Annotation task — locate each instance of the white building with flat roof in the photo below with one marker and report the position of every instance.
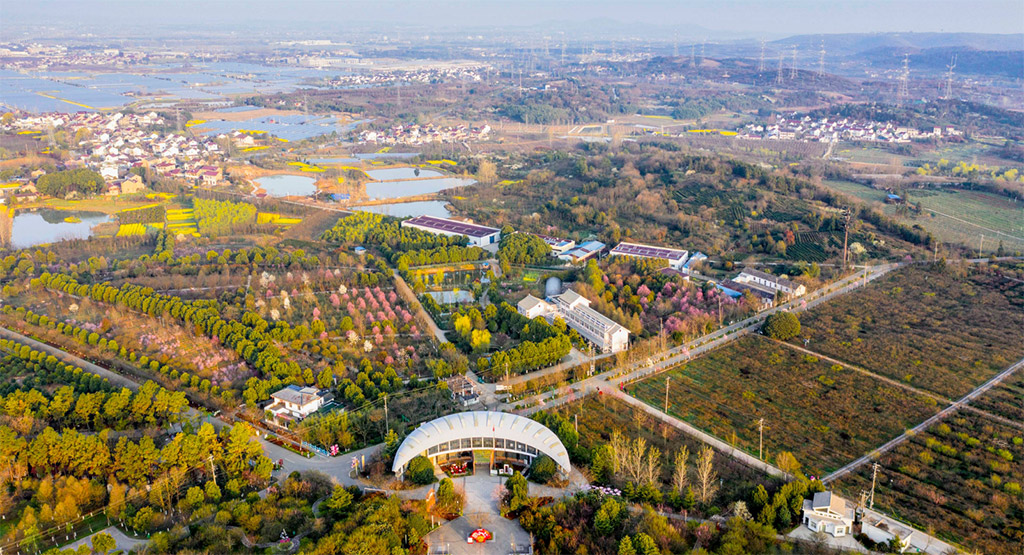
(574, 309)
(479, 235)
(766, 280)
(827, 512)
(676, 258)
(296, 403)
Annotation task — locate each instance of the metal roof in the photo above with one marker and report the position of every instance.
(481, 424)
(647, 251)
(451, 226)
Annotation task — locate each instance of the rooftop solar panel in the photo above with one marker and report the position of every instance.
(451, 226)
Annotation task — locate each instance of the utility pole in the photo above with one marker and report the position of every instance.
(386, 423)
(667, 378)
(981, 243)
(760, 443)
(213, 469)
(576, 422)
(874, 475)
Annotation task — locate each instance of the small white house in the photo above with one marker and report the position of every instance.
(775, 283)
(828, 513)
(882, 530)
(296, 403)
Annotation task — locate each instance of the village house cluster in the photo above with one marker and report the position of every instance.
(113, 143)
(415, 134)
(824, 130)
(42, 56)
(393, 76)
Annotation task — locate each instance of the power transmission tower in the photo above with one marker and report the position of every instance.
(821, 60)
(903, 91)
(693, 49)
(760, 65)
(792, 68)
(874, 474)
(778, 76)
(949, 78)
(675, 46)
(702, 51)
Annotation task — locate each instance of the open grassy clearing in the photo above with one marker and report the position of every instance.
(962, 478)
(942, 330)
(599, 415)
(824, 414)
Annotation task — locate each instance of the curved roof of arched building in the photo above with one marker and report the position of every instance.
(481, 424)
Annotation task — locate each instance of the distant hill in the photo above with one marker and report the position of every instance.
(855, 43)
(969, 61)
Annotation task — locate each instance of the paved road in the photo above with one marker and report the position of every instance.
(114, 378)
(682, 353)
(124, 542)
(962, 402)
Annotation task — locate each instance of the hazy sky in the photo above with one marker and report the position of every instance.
(731, 17)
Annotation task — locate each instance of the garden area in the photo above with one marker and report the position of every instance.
(823, 413)
(961, 478)
(943, 328)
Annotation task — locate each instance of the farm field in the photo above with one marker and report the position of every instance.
(826, 415)
(942, 330)
(959, 216)
(599, 415)
(961, 478)
(1005, 399)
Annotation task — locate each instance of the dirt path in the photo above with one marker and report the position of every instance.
(410, 299)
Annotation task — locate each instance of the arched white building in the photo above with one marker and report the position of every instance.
(500, 434)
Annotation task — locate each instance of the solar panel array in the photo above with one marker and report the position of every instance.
(632, 249)
(451, 226)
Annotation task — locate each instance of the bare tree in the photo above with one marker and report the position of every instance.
(679, 474)
(706, 475)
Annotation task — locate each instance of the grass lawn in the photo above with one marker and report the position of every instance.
(945, 331)
(957, 478)
(600, 415)
(824, 414)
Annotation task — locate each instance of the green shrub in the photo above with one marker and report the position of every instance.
(420, 471)
(542, 469)
(781, 326)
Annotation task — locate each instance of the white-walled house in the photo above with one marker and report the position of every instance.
(296, 403)
(827, 512)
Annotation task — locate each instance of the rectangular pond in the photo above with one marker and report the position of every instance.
(399, 189)
(287, 185)
(391, 174)
(436, 208)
